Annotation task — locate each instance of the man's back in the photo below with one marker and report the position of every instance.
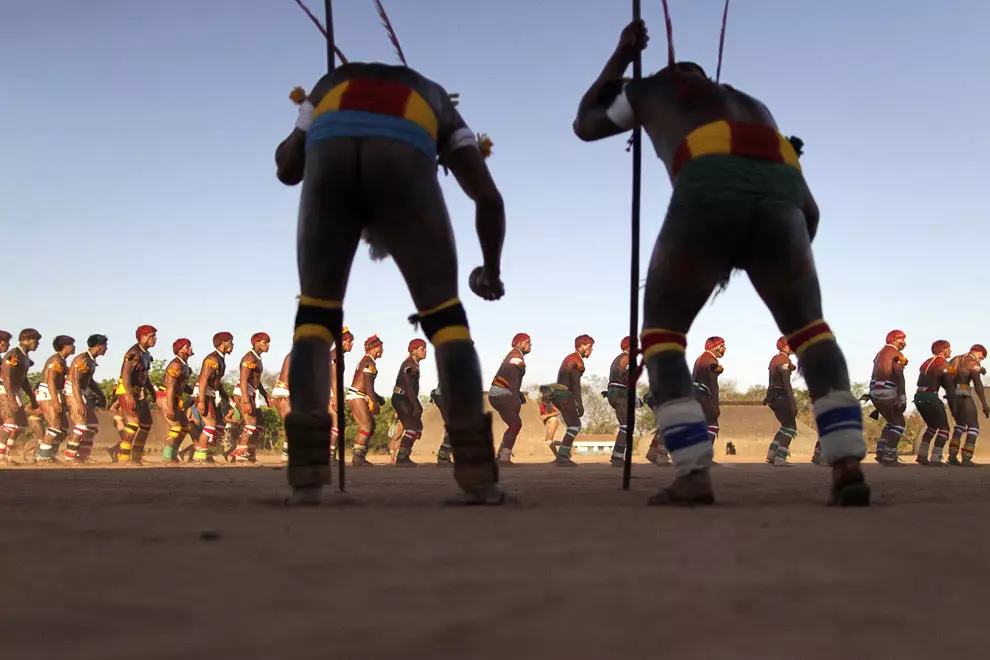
(673, 103)
(384, 89)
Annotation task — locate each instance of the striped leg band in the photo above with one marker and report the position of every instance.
(654, 341)
(318, 319)
(840, 426)
(808, 336)
(445, 323)
(685, 435)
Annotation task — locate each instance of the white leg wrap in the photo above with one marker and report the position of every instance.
(840, 426)
(685, 434)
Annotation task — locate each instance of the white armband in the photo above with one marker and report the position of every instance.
(462, 137)
(621, 112)
(305, 119)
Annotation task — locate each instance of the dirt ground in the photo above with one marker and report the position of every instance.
(205, 562)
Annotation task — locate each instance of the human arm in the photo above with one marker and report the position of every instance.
(172, 373)
(786, 380)
(246, 369)
(472, 174)
(101, 398)
(576, 389)
(290, 155)
(980, 393)
(209, 366)
(604, 110)
(811, 214)
(897, 373)
(11, 394)
(50, 378)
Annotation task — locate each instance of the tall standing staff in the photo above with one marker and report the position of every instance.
(340, 419)
(633, 374)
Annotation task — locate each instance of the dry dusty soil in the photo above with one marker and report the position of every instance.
(153, 562)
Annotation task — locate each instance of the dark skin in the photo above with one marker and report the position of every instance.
(18, 374)
(666, 121)
(282, 403)
(128, 370)
(210, 377)
(773, 243)
(177, 384)
(387, 190)
(363, 410)
(347, 344)
(251, 376)
(55, 376)
(977, 382)
(782, 363)
(81, 377)
(472, 174)
(686, 266)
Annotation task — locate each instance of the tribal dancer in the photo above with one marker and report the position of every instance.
(84, 395)
(735, 176)
(13, 374)
(406, 403)
(657, 452)
(250, 394)
(51, 399)
(506, 397)
(888, 394)
(935, 373)
(550, 417)
(135, 393)
(565, 395)
(280, 400)
(705, 376)
(395, 433)
(373, 135)
(444, 453)
(363, 401)
(5, 338)
(618, 397)
(209, 395)
(968, 380)
(780, 398)
(173, 407)
(347, 343)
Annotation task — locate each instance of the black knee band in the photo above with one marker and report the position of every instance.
(445, 324)
(315, 318)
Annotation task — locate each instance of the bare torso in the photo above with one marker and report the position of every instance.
(671, 106)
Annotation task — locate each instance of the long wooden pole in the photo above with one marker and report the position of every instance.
(637, 169)
(339, 344)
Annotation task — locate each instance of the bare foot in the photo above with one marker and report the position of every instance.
(849, 487)
(686, 490)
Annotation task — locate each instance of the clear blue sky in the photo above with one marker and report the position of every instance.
(138, 182)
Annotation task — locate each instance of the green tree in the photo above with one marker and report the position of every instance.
(157, 372)
(34, 378)
(599, 418)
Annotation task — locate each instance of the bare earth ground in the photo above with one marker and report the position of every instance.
(204, 562)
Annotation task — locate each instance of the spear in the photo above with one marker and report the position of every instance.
(632, 371)
(339, 344)
(330, 43)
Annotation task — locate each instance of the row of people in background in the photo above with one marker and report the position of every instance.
(960, 377)
(68, 393)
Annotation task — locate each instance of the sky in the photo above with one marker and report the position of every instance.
(138, 182)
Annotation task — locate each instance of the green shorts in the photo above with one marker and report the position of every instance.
(728, 181)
